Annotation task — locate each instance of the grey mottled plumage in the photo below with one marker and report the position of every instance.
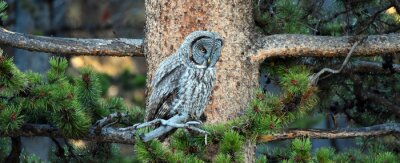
(183, 82)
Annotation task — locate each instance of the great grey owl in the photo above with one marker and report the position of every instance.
(183, 82)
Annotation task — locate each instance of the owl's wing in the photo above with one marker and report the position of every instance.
(164, 88)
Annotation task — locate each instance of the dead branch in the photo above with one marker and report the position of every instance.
(287, 45)
(377, 130)
(369, 67)
(73, 46)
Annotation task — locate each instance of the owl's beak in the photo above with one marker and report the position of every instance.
(208, 61)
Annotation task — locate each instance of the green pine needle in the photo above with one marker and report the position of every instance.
(12, 81)
(222, 158)
(386, 157)
(325, 155)
(301, 150)
(58, 67)
(10, 118)
(3, 7)
(72, 121)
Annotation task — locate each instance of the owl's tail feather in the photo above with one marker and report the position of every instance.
(166, 135)
(160, 132)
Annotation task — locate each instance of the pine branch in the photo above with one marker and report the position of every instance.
(107, 134)
(116, 135)
(376, 130)
(286, 45)
(73, 46)
(99, 132)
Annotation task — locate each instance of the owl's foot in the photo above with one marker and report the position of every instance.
(180, 125)
(191, 125)
(177, 121)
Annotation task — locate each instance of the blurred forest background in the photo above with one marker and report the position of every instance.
(84, 19)
(341, 104)
(120, 76)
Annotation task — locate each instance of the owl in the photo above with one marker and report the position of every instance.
(182, 83)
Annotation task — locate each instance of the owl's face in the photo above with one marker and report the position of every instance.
(204, 49)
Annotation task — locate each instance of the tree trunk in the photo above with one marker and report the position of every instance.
(167, 24)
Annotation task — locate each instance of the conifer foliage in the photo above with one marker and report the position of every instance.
(71, 104)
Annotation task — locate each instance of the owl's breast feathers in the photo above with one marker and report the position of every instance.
(177, 88)
(194, 89)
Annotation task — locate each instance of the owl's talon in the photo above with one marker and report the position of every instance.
(147, 124)
(195, 123)
(135, 125)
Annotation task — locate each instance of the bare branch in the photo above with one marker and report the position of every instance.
(73, 46)
(108, 121)
(286, 45)
(369, 67)
(377, 130)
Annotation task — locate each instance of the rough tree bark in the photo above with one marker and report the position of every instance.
(168, 22)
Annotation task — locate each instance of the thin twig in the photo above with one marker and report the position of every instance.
(314, 79)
